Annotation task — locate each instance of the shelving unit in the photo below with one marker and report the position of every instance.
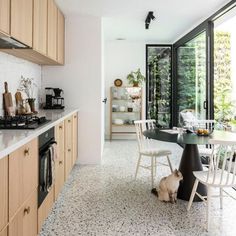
(125, 108)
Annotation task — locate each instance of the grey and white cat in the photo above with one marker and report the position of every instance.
(168, 187)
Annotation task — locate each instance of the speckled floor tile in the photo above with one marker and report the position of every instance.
(106, 200)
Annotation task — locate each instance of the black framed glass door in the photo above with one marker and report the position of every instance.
(193, 76)
(159, 84)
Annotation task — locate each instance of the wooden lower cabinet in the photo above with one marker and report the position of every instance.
(24, 222)
(68, 145)
(45, 209)
(75, 137)
(3, 192)
(4, 232)
(60, 162)
(23, 175)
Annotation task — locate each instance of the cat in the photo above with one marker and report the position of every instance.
(168, 187)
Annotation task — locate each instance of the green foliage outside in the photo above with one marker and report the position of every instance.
(223, 104)
(159, 85)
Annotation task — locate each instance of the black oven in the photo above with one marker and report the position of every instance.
(46, 140)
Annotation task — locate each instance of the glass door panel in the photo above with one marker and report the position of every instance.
(192, 76)
(158, 84)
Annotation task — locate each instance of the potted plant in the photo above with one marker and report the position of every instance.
(28, 85)
(135, 78)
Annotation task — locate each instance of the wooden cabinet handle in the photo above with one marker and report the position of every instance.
(26, 152)
(69, 150)
(27, 210)
(75, 117)
(60, 127)
(60, 162)
(68, 121)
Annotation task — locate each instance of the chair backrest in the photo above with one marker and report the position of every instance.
(141, 126)
(222, 166)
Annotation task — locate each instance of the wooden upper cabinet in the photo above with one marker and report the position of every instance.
(60, 37)
(22, 21)
(23, 175)
(40, 26)
(5, 16)
(3, 192)
(52, 30)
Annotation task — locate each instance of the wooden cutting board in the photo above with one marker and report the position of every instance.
(7, 99)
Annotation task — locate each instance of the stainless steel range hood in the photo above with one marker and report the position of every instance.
(9, 43)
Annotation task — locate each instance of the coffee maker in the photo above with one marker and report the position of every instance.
(54, 99)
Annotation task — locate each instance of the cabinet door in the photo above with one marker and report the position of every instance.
(59, 165)
(40, 26)
(3, 192)
(75, 137)
(4, 232)
(52, 29)
(60, 37)
(5, 16)
(68, 145)
(45, 209)
(22, 21)
(23, 174)
(25, 221)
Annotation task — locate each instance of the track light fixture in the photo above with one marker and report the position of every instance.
(149, 17)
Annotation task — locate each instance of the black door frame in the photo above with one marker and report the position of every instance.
(208, 27)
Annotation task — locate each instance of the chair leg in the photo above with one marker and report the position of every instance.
(137, 167)
(155, 166)
(192, 194)
(221, 198)
(152, 167)
(168, 159)
(208, 207)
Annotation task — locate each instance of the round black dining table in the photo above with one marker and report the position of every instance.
(190, 160)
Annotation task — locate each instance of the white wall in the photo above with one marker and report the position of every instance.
(81, 81)
(11, 69)
(122, 57)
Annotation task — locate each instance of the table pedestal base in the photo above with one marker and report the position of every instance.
(190, 162)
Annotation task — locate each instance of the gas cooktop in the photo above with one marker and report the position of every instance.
(22, 122)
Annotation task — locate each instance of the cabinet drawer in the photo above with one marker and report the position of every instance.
(3, 192)
(25, 221)
(23, 174)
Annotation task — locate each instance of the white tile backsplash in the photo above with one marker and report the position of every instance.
(11, 69)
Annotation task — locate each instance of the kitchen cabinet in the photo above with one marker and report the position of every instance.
(4, 232)
(22, 21)
(59, 165)
(5, 17)
(52, 30)
(40, 26)
(45, 209)
(3, 192)
(23, 175)
(75, 138)
(68, 146)
(60, 37)
(25, 221)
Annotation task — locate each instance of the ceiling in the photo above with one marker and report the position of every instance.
(125, 18)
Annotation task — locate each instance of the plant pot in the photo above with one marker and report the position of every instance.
(31, 102)
(135, 84)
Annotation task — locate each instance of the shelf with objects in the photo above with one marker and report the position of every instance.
(125, 108)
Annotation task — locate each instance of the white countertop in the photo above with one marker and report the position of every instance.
(10, 140)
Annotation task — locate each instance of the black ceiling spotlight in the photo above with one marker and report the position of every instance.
(149, 17)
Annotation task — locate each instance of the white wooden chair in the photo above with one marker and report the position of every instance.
(221, 173)
(148, 148)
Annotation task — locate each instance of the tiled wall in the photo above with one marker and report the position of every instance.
(11, 69)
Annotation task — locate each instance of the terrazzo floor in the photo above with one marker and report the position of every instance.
(106, 200)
